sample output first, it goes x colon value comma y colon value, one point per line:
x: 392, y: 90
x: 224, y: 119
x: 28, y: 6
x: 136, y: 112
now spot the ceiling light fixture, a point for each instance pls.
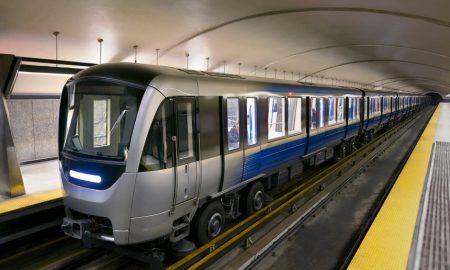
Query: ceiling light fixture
x: 187, y: 60
x: 56, y: 34
x: 135, y: 47
x: 207, y: 63
x: 100, y: 42
x: 157, y: 56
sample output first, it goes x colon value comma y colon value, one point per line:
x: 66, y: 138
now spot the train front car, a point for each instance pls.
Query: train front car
x: 102, y: 113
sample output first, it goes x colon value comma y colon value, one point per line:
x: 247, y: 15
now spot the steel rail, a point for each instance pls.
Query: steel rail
x: 204, y: 254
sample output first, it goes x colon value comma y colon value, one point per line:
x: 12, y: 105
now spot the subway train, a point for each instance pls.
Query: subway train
x: 159, y: 153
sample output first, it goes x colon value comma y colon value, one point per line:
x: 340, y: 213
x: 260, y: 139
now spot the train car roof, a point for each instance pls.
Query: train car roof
x: 143, y: 74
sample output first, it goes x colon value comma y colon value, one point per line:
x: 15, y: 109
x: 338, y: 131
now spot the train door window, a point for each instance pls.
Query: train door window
x: 314, y: 114
x: 358, y: 113
x: 367, y: 107
x: 378, y: 104
x: 276, y: 121
x: 233, y: 123
x: 251, y: 121
x: 321, y: 112
x: 331, y: 110
x: 340, y: 110
x: 354, y: 107
x: 157, y: 153
x: 294, y: 115
x: 350, y: 109
x: 185, y: 129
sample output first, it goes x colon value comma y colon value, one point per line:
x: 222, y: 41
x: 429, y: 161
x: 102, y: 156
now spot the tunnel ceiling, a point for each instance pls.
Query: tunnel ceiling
x: 402, y: 44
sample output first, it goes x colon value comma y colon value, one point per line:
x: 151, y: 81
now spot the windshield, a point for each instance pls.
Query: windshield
x: 100, y: 119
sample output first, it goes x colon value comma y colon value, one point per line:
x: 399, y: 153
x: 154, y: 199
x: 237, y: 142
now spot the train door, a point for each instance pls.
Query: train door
x: 185, y: 149
x: 251, y: 143
x: 233, y: 142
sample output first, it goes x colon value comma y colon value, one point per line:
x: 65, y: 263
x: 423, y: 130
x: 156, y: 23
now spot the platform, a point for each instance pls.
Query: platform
x: 412, y: 230
x: 42, y: 184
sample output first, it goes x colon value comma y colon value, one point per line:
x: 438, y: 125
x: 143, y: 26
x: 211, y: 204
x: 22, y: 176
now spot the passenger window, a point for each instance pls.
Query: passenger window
x: 101, y: 108
x: 251, y: 121
x: 233, y: 123
x: 185, y: 129
x: 276, y: 118
x: 367, y: 107
x: 157, y: 153
x: 331, y: 111
x: 356, y: 107
x: 322, y: 112
x: 314, y: 114
x: 350, y: 109
x: 294, y: 115
x: 317, y: 113
x: 340, y: 110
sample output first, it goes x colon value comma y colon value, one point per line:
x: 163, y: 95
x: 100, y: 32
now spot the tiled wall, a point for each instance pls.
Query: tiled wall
x: 34, y: 123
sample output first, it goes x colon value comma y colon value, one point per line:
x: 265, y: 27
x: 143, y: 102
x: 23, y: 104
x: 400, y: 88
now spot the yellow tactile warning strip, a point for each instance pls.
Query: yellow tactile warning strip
x: 387, y: 243
x: 29, y: 200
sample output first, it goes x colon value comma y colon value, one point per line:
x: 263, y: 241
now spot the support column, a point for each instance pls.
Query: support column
x: 11, y: 182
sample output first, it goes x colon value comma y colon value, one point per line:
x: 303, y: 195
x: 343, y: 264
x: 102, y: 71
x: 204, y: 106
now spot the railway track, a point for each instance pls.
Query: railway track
x: 301, y: 200
x: 303, y: 197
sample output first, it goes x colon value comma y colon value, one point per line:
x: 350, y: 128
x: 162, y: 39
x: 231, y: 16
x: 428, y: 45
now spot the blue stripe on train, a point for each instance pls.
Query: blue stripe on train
x: 353, y: 129
x: 270, y: 158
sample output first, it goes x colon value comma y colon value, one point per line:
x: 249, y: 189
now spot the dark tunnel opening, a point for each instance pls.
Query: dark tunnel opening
x: 436, y: 97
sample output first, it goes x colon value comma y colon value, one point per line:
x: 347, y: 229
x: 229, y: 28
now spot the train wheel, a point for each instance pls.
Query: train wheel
x: 254, y: 198
x: 209, y: 224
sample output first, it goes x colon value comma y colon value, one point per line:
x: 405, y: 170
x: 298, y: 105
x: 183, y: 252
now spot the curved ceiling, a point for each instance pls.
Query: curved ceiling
x: 384, y: 44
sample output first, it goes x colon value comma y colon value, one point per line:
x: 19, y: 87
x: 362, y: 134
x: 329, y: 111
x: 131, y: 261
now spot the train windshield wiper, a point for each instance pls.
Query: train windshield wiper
x: 118, y: 120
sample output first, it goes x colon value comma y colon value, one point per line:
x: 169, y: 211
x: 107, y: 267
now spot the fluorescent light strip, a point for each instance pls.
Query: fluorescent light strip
x: 46, y: 74
x: 85, y: 177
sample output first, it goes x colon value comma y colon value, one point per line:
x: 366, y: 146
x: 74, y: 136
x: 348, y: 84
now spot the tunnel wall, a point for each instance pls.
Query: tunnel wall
x: 34, y: 124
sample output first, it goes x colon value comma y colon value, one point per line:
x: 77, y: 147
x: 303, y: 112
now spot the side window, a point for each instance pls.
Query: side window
x: 357, y: 102
x: 350, y: 109
x: 157, y: 153
x: 372, y: 106
x: 233, y: 123
x: 367, y: 112
x: 321, y: 112
x: 331, y: 111
x: 340, y: 110
x: 314, y: 114
x: 276, y: 118
x: 317, y: 113
x: 294, y: 115
x: 185, y: 129
x: 251, y: 121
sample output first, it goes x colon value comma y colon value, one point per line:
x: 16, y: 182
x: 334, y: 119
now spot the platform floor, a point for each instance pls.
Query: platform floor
x: 42, y: 184
x: 41, y: 176
x: 412, y: 228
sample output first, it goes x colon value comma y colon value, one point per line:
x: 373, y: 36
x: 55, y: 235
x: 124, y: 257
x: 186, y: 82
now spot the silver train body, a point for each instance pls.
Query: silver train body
x: 130, y: 178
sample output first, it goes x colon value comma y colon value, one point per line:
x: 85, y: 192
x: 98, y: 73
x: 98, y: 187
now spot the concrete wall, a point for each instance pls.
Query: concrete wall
x: 34, y: 124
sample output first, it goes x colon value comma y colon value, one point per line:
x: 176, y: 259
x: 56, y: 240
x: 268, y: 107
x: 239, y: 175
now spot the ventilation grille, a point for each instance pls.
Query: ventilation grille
x: 213, y: 74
